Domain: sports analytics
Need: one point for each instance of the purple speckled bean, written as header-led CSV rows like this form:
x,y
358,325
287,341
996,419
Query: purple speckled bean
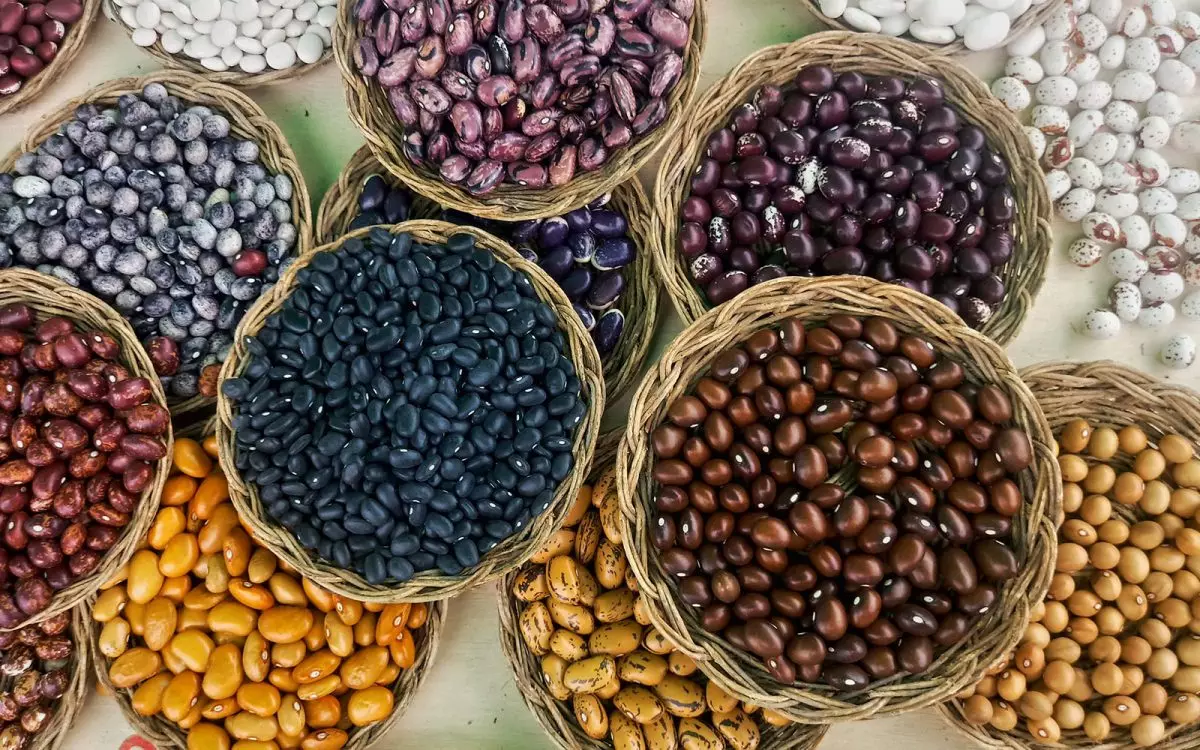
x,y
459,35
493,123
571,127
473,150
526,60
544,23
623,98
616,133
566,48
667,73
540,122
429,123
542,147
456,84
600,107
485,19
545,91
403,106
628,10
486,175
638,72
683,8
438,148
455,168
439,13
414,24
477,63
508,147
562,169
387,30
570,11
366,10
431,57
600,34
512,21
527,175
495,91
634,42
650,116
462,5
414,148
396,69
430,97
592,154
400,6
467,120
667,27
579,70
514,114
366,59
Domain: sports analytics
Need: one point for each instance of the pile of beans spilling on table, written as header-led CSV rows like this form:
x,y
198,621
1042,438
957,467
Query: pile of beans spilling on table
x,y
585,252
156,208
1112,655
30,36
523,91
209,631
35,662
408,408
78,441
818,582
851,174
583,616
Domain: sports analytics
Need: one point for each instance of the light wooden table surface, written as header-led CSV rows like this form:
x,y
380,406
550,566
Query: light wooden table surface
x,y
469,699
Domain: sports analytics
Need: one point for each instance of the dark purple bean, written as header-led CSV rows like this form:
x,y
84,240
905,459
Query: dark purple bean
x,y
396,69
667,27
366,58
486,14
485,176
459,35
454,169
562,169
477,63
403,106
600,34
544,23
439,13
628,10
511,22
666,74
412,26
706,267
527,174
430,97
508,147
579,70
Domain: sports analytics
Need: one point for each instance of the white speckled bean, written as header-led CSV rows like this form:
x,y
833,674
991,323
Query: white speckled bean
x,y
1085,253
1094,95
1121,116
1137,233
1077,203
1166,105
1117,203
1112,53
1179,352
1084,126
1101,149
1168,230
1127,265
1125,300
1182,181
1101,325
1157,200
1189,207
1153,132
1133,85
1058,184
1024,69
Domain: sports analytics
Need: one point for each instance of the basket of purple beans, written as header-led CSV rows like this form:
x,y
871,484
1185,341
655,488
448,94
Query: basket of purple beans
x,y
595,254
847,153
518,109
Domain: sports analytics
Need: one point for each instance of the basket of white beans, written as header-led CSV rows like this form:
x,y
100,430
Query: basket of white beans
x,y
245,43
1104,85
949,26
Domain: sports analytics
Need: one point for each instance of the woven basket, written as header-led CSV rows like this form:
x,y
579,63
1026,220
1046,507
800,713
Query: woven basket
x,y
815,300
870,54
165,733
370,111
429,585
48,297
557,717
68,50
247,120
1112,395
233,77
639,302
1026,21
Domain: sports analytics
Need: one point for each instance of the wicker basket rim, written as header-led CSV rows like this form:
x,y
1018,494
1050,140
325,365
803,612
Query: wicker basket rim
x,y
67,52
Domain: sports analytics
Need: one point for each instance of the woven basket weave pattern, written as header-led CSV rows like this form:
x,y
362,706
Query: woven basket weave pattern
x,y
814,300
165,733
1024,22
506,556
370,111
68,50
232,77
246,120
869,54
1112,395
557,717
639,302
48,297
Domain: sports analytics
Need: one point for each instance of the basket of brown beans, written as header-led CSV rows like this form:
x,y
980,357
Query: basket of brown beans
x,y
598,254
205,208
409,412
1111,658
589,664
39,41
85,451
44,673
207,639
854,154
518,109
837,499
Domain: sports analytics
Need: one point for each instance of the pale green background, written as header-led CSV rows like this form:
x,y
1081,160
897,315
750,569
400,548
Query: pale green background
x,y
469,700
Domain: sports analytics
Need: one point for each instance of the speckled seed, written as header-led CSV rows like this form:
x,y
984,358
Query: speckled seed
x,y
1137,233
1190,307
1125,300
1101,324
1076,204
1157,315
1085,253
1179,352
1012,93
1127,265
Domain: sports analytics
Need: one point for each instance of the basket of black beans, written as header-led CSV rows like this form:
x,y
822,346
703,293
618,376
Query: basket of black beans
x,y
847,153
409,412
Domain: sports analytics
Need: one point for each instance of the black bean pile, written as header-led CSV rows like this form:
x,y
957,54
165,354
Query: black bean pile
x,y
851,174
522,91
408,408
158,209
